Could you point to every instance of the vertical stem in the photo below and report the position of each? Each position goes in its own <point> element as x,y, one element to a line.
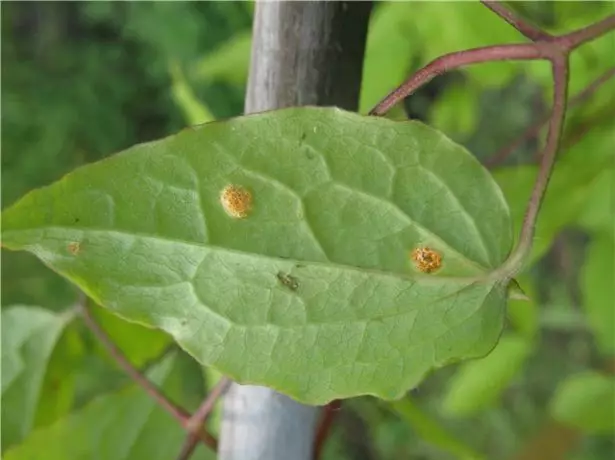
<point>303,53</point>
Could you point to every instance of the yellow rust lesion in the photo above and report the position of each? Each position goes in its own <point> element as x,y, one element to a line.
<point>236,201</point>
<point>74,247</point>
<point>426,259</point>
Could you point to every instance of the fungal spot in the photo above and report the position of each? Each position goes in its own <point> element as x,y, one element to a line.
<point>289,281</point>
<point>74,248</point>
<point>426,260</point>
<point>236,201</point>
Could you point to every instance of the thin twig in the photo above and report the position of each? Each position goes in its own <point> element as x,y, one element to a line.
<point>547,50</point>
<point>324,426</point>
<point>447,62</point>
<point>528,30</point>
<point>175,411</point>
<point>560,88</point>
<point>533,130</point>
<point>200,416</point>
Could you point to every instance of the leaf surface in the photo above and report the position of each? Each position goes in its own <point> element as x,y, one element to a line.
<point>123,425</point>
<point>586,402</point>
<point>314,292</point>
<point>29,335</point>
<point>480,383</point>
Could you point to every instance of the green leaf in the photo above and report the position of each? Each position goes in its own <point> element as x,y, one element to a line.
<point>194,110</point>
<point>597,276</point>
<point>123,425</point>
<point>430,430</point>
<point>314,292</point>
<point>599,209</point>
<point>139,344</point>
<point>29,335</point>
<point>478,384</point>
<point>388,51</point>
<point>569,187</point>
<point>229,63</point>
<point>586,401</point>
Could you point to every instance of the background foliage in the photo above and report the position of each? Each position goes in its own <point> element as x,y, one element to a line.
<point>83,80</point>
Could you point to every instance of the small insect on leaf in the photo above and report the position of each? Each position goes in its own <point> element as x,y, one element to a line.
<point>236,201</point>
<point>289,281</point>
<point>426,260</point>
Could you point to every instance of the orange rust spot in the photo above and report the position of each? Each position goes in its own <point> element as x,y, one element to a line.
<point>74,248</point>
<point>426,259</point>
<point>236,201</point>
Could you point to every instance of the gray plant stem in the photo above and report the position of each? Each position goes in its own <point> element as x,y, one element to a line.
<point>303,53</point>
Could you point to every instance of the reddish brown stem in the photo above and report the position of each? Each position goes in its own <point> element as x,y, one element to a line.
<point>175,411</point>
<point>533,130</point>
<point>324,426</point>
<point>195,424</point>
<point>455,60</point>
<point>528,30</point>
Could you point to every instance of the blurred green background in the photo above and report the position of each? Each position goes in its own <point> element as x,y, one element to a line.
<point>82,80</point>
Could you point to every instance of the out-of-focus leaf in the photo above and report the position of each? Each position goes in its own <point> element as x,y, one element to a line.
<point>314,292</point>
<point>586,401</point>
<point>455,110</point>
<point>59,388</point>
<point>467,25</point>
<point>568,188</point>
<point>598,213</point>
<point>598,288</point>
<point>478,384</point>
<point>430,430</point>
<point>389,51</point>
<point>29,335</point>
<point>140,344</point>
<point>229,63</point>
<point>194,110</point>
<point>120,426</point>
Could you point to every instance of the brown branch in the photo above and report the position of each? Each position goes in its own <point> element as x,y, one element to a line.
<point>573,40</point>
<point>174,410</point>
<point>324,426</point>
<point>533,130</point>
<point>525,28</point>
<point>556,125</point>
<point>455,60</point>
<point>195,424</point>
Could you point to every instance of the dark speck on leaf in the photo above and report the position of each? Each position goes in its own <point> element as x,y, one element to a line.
<point>77,220</point>
<point>289,281</point>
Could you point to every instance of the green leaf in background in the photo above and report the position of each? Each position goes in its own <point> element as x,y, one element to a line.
<point>194,110</point>
<point>138,343</point>
<point>314,292</point>
<point>468,25</point>
<point>430,430</point>
<point>29,335</point>
<point>598,288</point>
<point>569,187</point>
<point>388,52</point>
<point>120,426</point>
<point>228,63</point>
<point>455,110</point>
<point>598,214</point>
<point>478,384</point>
<point>586,401</point>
